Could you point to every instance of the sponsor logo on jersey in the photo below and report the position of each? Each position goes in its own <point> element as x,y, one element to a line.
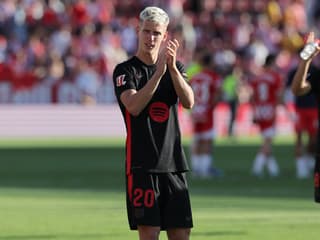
<point>159,112</point>
<point>120,80</point>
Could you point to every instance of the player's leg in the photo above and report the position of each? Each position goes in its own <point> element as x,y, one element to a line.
<point>301,169</point>
<point>259,164</point>
<point>176,206</point>
<point>272,164</point>
<point>195,155</point>
<point>213,169</point>
<point>148,232</point>
<point>206,146</point>
<point>233,110</point>
<point>306,122</point>
<point>178,233</point>
<point>196,150</point>
<point>264,156</point>
<point>311,149</point>
<point>143,207</point>
<point>202,158</point>
<point>205,155</point>
<point>260,159</point>
<point>312,139</point>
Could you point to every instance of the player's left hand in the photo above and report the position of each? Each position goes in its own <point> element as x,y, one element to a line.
<point>172,48</point>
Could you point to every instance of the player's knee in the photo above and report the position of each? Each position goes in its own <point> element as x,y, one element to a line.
<point>148,233</point>
<point>179,234</point>
<point>266,150</point>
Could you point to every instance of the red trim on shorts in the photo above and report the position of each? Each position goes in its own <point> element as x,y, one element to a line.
<point>128,143</point>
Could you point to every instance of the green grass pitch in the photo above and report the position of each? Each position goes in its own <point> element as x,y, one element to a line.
<point>74,189</point>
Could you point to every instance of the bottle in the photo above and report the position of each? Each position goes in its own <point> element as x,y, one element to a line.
<point>309,50</point>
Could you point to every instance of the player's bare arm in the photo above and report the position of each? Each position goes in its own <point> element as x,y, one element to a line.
<point>300,85</point>
<point>135,101</point>
<point>182,88</point>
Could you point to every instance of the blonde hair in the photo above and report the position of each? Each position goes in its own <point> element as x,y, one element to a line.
<point>154,14</point>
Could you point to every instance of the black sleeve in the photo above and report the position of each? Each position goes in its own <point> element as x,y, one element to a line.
<point>182,70</point>
<point>314,78</point>
<point>291,74</point>
<point>122,80</point>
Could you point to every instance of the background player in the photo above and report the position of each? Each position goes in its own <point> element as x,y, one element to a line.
<point>304,81</point>
<point>267,93</point>
<point>207,90</point>
<point>306,122</point>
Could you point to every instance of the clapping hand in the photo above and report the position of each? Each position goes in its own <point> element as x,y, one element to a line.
<point>172,48</point>
<point>162,61</point>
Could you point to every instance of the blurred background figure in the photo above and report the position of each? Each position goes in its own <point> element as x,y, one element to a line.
<point>230,88</point>
<point>207,91</point>
<point>43,43</point>
<point>194,66</point>
<point>305,119</point>
<point>88,81</point>
<point>267,89</point>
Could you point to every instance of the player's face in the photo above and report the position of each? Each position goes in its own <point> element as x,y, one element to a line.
<point>151,35</point>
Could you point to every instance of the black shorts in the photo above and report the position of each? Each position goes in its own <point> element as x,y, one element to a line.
<point>160,200</point>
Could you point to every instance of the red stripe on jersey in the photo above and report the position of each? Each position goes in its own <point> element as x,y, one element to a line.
<point>128,143</point>
<point>129,186</point>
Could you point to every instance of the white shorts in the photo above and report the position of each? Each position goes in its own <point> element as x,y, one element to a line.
<point>269,132</point>
<point>207,135</point>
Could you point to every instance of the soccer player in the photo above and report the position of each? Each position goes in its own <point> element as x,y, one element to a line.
<point>207,91</point>
<point>306,80</point>
<point>306,122</point>
<point>148,88</point>
<point>266,94</point>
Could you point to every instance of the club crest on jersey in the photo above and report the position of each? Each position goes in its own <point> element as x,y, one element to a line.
<point>120,80</point>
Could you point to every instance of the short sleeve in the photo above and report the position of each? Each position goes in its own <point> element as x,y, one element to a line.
<point>122,80</point>
<point>182,70</point>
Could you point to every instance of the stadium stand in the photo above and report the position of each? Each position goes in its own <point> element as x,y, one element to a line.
<point>48,47</point>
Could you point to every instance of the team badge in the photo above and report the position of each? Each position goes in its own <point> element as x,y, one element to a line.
<point>120,80</point>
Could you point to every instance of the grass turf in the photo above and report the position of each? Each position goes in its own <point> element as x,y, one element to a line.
<point>70,189</point>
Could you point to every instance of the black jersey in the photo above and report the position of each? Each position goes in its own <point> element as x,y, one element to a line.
<point>153,137</point>
<point>313,76</point>
<point>305,101</point>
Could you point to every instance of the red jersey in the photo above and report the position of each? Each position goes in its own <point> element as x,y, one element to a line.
<point>266,91</point>
<point>206,86</point>
<point>6,73</point>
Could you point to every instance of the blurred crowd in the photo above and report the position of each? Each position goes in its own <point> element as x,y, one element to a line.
<point>64,51</point>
